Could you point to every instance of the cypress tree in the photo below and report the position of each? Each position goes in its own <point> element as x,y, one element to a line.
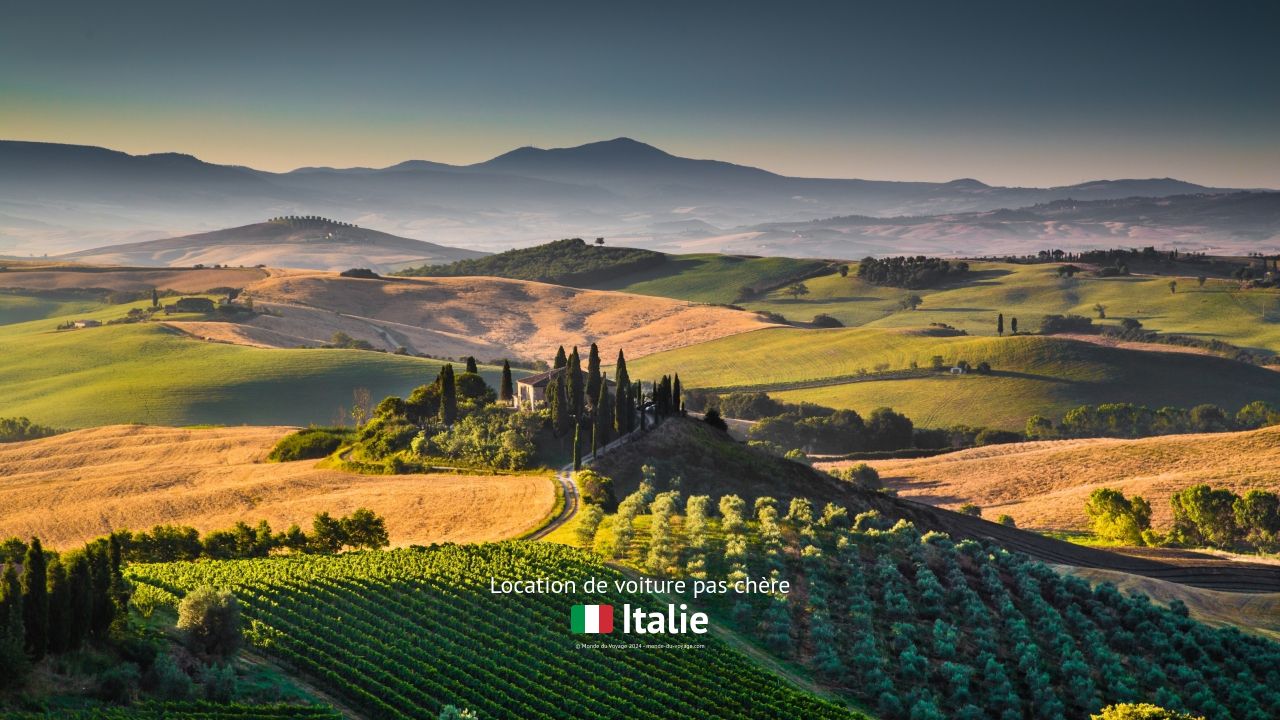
<point>623,409</point>
<point>558,405</point>
<point>13,661</point>
<point>471,365</point>
<point>59,607</point>
<point>604,419</point>
<point>35,600</point>
<point>1013,326</point>
<point>1000,324</point>
<point>577,389</point>
<point>80,582</point>
<point>593,373</point>
<point>505,389</point>
<point>448,395</point>
<point>577,446</point>
<point>561,360</point>
<point>119,588</point>
<point>644,417</point>
<point>677,400</point>
<point>103,607</point>
<point>155,298</point>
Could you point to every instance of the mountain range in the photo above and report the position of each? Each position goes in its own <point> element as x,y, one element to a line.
<point>64,198</point>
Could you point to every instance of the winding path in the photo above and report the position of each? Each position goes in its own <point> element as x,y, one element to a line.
<point>565,478</point>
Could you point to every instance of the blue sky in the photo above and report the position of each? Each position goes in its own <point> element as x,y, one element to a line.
<point>1016,93</point>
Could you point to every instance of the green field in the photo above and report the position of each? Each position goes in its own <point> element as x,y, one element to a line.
<point>1248,318</point>
<point>1031,374</point>
<point>150,373</point>
<point>399,634</point>
<point>23,308</point>
<point>710,278</point>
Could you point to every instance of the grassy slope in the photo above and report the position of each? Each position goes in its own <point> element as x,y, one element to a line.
<point>1032,374</point>
<point>709,277</point>
<point>1249,318</point>
<point>153,374</point>
<point>24,308</point>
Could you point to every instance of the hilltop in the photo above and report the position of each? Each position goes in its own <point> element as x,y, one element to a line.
<point>703,277</point>
<point>309,243</point>
<point>1045,484</point>
<point>71,488</point>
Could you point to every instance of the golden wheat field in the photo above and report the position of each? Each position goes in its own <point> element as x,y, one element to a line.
<point>73,487</point>
<point>1044,485</point>
<point>481,316</point>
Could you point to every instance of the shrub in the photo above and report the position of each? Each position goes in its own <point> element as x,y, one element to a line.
<point>970,509</point>
<point>167,681</point>
<point>823,320</point>
<point>992,436</point>
<point>309,444</point>
<point>219,683</point>
<point>1006,520</point>
<point>712,418</point>
<point>1141,711</point>
<point>1115,517</point>
<point>1051,324</point>
<point>864,476</point>
<point>210,620</point>
<point>119,683</point>
<point>595,489</point>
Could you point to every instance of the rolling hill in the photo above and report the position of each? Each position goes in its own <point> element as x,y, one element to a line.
<point>80,485</point>
<point>1044,485</point>
<point>487,317</point>
<point>1031,374</point>
<point>310,244</point>
<point>154,374</point>
<point>705,277</point>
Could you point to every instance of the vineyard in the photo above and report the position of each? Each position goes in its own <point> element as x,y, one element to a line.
<point>917,626</point>
<point>188,711</point>
<point>400,634</point>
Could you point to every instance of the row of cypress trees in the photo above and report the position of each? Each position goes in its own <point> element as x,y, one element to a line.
<point>581,401</point>
<point>51,603</point>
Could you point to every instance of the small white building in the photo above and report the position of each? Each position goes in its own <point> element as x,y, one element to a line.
<point>88,323</point>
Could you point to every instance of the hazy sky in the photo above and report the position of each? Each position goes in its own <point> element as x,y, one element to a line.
<point>1017,93</point>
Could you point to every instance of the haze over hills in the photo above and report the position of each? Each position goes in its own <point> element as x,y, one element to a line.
<point>1235,223</point>
<point>65,198</point>
<point>313,244</point>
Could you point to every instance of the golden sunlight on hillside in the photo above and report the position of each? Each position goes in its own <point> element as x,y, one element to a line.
<point>1044,485</point>
<point>70,488</point>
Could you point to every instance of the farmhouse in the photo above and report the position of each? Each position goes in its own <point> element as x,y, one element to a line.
<point>531,390</point>
<point>88,323</point>
<point>191,304</point>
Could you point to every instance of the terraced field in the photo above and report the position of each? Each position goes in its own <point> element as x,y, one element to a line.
<point>1031,374</point>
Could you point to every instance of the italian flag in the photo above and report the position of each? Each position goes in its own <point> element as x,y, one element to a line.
<point>591,619</point>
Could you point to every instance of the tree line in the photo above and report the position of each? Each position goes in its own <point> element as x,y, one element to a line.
<point>53,603</point>
<point>1127,420</point>
<point>913,272</point>
<point>1203,516</point>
